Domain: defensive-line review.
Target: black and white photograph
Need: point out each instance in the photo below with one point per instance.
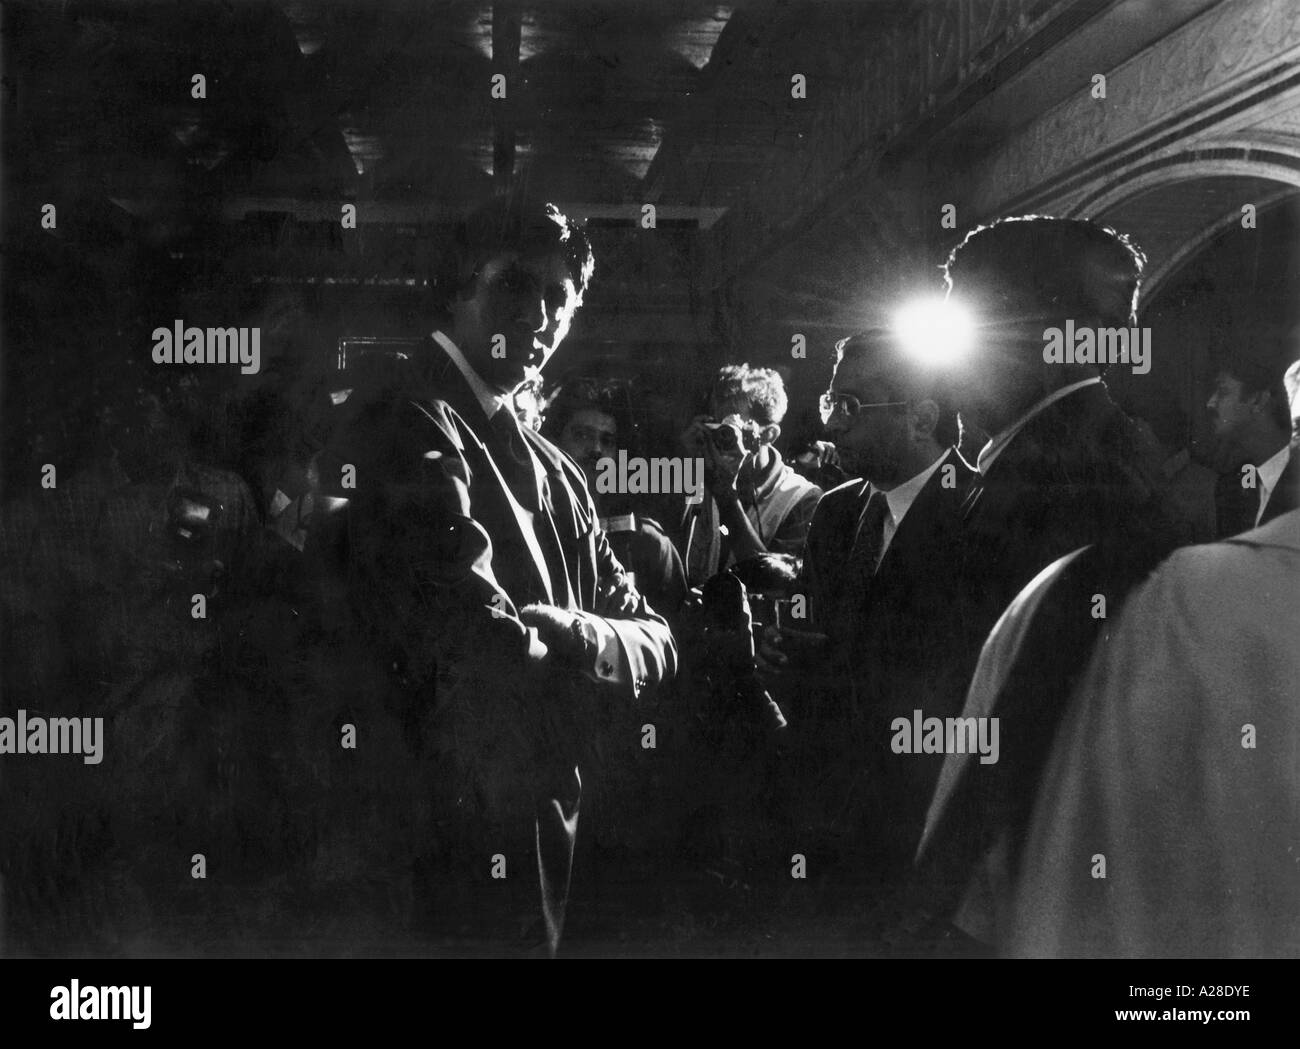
(650, 480)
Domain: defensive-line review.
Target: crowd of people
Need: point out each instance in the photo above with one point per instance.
(984, 656)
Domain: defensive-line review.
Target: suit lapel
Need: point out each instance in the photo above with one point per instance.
(444, 382)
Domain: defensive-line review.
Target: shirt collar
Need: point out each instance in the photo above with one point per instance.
(490, 400)
(900, 498)
(1271, 468)
(995, 446)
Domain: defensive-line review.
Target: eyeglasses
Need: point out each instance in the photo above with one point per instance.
(831, 404)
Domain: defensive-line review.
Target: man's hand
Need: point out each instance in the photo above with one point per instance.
(555, 628)
(616, 597)
(825, 454)
(768, 654)
(722, 465)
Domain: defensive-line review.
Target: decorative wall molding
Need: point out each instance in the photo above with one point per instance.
(1183, 88)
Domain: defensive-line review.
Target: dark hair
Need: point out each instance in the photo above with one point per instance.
(516, 222)
(575, 394)
(1060, 268)
(759, 389)
(901, 377)
(1257, 354)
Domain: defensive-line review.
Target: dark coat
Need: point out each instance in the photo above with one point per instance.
(883, 643)
(1071, 478)
(444, 538)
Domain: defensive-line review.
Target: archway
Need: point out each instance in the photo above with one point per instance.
(1217, 278)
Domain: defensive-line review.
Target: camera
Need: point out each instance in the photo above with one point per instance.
(725, 438)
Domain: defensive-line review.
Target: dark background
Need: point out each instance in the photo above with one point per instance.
(225, 212)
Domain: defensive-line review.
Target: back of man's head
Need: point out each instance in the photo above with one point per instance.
(1047, 270)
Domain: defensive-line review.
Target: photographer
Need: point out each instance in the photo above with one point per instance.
(755, 503)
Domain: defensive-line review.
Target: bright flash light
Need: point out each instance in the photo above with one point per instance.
(935, 330)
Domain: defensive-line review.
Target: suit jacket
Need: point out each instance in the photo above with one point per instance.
(1156, 770)
(446, 538)
(883, 648)
(1072, 478)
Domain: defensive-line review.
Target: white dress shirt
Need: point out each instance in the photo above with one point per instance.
(1269, 471)
(900, 498)
(489, 399)
(1000, 440)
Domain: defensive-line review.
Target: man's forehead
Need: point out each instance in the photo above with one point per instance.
(594, 418)
(724, 408)
(550, 264)
(854, 374)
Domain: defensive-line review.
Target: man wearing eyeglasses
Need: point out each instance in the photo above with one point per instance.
(893, 431)
(871, 592)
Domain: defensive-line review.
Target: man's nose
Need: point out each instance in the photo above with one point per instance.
(533, 312)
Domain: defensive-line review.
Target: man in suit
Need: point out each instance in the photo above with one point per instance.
(1062, 471)
(1248, 416)
(866, 575)
(480, 579)
(1176, 765)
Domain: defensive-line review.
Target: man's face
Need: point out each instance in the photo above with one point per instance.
(1230, 408)
(740, 418)
(527, 300)
(589, 436)
(872, 442)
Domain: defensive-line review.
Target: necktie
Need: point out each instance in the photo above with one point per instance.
(868, 541)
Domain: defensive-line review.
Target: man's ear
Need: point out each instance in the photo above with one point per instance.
(925, 417)
(1263, 400)
(769, 433)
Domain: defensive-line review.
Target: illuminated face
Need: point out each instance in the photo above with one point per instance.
(589, 436)
(527, 300)
(870, 431)
(1231, 409)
